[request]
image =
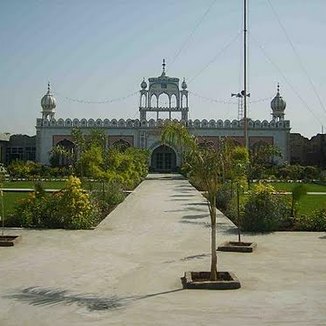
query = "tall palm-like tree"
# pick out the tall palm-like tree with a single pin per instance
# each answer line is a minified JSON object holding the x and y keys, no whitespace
{"x":205,"y":164}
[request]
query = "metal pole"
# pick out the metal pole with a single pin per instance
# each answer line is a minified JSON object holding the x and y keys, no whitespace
{"x":245,"y":126}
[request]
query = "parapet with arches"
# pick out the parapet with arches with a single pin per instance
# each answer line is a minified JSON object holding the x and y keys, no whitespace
{"x":152,"y":123}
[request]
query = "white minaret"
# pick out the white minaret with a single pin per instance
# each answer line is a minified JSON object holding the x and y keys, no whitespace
{"x":278,"y":106}
{"x":48,"y":104}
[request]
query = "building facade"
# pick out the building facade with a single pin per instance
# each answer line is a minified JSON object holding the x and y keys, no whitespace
{"x":163,"y":97}
{"x":306,"y":151}
{"x":17,"y":147}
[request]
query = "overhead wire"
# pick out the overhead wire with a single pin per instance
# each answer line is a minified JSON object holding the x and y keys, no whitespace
{"x":227,"y":101}
{"x":227,"y":45}
{"x":297,"y":55}
{"x":189,"y":37}
{"x":284,"y":77}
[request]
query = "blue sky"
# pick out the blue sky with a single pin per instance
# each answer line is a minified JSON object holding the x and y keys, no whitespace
{"x":101,"y":49}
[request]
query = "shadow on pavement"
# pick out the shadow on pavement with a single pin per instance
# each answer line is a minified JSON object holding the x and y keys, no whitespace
{"x":43,"y":297}
{"x":165,"y":177}
{"x":204,"y":224}
{"x":194,"y":217}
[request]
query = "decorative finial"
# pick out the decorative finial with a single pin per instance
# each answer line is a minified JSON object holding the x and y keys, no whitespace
{"x":278,"y":88}
{"x":48,"y":87}
{"x":163,"y":65}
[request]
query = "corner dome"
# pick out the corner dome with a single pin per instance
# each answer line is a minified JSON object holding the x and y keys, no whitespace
{"x":48,"y":101}
{"x":184,"y":84}
{"x":143,"y":84}
{"x":277,"y":103}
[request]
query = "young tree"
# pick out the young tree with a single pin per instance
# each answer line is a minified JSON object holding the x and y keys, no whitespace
{"x":2,"y":179}
{"x":238,"y":175}
{"x":204,"y":164}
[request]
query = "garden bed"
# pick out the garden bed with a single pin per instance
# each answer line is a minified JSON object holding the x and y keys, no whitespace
{"x":236,"y":246}
{"x":201,"y":280}
{"x":9,"y":240}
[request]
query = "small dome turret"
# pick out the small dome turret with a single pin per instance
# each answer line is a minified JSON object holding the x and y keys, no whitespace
{"x":184,"y":84}
{"x":278,"y":105}
{"x":143,"y":84}
{"x":48,"y":104}
{"x":48,"y":101}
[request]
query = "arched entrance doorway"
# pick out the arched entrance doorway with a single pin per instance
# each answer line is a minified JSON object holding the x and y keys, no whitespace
{"x":163,"y":159}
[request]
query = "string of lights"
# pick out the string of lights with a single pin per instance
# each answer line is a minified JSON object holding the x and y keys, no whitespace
{"x":105,"y":101}
{"x":122,"y":98}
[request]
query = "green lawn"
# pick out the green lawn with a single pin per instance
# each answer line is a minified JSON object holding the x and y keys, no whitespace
{"x":30,"y":184}
{"x":10,"y":200}
{"x":309,"y":203}
{"x":284,"y":186}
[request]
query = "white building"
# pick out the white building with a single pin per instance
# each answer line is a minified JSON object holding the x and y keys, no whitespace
{"x":161,"y":96}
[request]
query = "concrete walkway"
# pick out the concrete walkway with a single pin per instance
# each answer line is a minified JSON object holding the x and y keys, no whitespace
{"x":127,"y":271}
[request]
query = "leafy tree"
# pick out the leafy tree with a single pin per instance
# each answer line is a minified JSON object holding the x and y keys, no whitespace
{"x":261,"y":158}
{"x":92,"y":160}
{"x":127,"y":166}
{"x":60,"y":156}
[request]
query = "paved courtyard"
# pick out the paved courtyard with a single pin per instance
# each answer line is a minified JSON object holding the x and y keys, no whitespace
{"x":127,"y":271}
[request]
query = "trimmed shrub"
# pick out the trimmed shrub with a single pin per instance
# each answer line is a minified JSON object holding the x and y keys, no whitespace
{"x":107,"y":195}
{"x":314,"y":222}
{"x":264,"y":211}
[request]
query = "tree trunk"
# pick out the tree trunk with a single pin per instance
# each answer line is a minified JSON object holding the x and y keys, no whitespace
{"x":238,"y":214}
{"x":213,"y":276}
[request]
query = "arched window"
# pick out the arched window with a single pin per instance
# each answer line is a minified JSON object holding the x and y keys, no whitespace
{"x":173,"y":101}
{"x":121,"y":145}
{"x":163,"y":101}
{"x":153,"y":103}
{"x":62,"y":154}
{"x":143,"y":101}
{"x":184,"y":101}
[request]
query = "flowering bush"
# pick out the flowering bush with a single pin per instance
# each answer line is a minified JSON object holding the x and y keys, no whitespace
{"x":70,"y":208}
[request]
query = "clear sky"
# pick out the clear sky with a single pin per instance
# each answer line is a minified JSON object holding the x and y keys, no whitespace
{"x":97,"y":50}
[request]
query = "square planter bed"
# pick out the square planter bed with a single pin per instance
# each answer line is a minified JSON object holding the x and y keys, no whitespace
{"x":237,"y":246}
{"x":201,"y":281}
{"x":9,"y":240}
